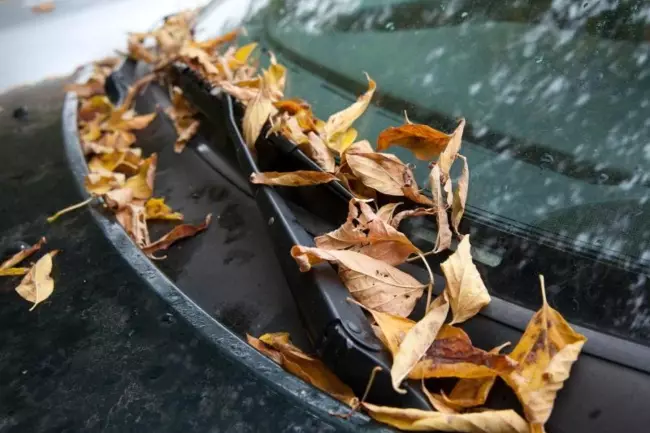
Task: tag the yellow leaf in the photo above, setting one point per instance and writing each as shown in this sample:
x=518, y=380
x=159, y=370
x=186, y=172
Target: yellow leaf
x=257, y=113
x=118, y=199
x=460, y=196
x=292, y=178
x=425, y=142
x=466, y=291
x=497, y=421
x=279, y=348
x=391, y=329
x=38, y=285
x=142, y=183
x=387, y=211
x=453, y=355
x=243, y=53
x=438, y=402
x=177, y=233
x=340, y=122
x=417, y=340
x=156, y=209
x=448, y=156
x=186, y=130
x=546, y=351
x=101, y=183
x=21, y=255
x=343, y=141
x=443, y=239
x=13, y=272
x=126, y=161
x=372, y=282
x=382, y=172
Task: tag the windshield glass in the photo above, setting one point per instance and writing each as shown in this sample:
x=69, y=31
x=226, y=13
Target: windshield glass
x=557, y=99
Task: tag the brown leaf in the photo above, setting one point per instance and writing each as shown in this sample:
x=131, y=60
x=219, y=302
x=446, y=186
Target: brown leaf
x=133, y=218
x=546, y=351
x=292, y=178
x=460, y=196
x=21, y=255
x=211, y=44
x=368, y=234
x=340, y=122
x=382, y=172
x=372, y=282
x=118, y=199
x=453, y=355
x=497, y=421
x=137, y=50
x=438, y=402
x=279, y=348
x=186, y=131
x=386, y=212
x=416, y=342
x=156, y=209
x=38, y=285
x=443, y=239
x=193, y=55
x=425, y=142
x=87, y=89
x=465, y=289
x=177, y=233
x=142, y=183
x=397, y=219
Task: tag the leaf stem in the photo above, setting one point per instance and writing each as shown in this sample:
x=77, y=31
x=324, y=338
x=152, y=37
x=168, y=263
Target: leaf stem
x=430, y=288
x=69, y=209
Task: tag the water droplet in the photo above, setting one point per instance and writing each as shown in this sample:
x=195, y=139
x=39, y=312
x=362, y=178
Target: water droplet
x=603, y=178
x=547, y=158
x=389, y=26
x=539, y=59
x=464, y=15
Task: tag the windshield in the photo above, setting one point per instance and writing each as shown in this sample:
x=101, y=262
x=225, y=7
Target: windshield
x=557, y=99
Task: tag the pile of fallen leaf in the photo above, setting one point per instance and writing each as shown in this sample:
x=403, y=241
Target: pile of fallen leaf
x=367, y=248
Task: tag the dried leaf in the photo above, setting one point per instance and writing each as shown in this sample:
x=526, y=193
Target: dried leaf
x=343, y=141
x=126, y=161
x=38, y=285
x=497, y=421
x=101, y=183
x=448, y=156
x=257, y=113
x=373, y=283
x=118, y=199
x=386, y=212
x=86, y=90
x=340, y=122
x=142, y=183
x=425, y=142
x=193, y=55
x=438, y=402
x=368, y=234
x=137, y=51
x=21, y=255
x=416, y=342
x=156, y=209
x=279, y=348
x=133, y=218
x=460, y=196
x=391, y=329
x=397, y=219
x=177, y=233
x=466, y=291
x=382, y=172
x=471, y=392
x=546, y=351
x=293, y=178
x=211, y=44
x=453, y=355
x=186, y=131
x=443, y=239
x=318, y=152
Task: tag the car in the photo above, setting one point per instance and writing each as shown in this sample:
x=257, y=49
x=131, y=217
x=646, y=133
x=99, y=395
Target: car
x=553, y=94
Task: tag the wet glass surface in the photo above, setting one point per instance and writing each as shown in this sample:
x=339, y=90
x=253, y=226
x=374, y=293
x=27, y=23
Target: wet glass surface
x=557, y=99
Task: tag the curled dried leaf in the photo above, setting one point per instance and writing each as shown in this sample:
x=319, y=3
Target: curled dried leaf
x=293, y=178
x=21, y=255
x=448, y=156
x=38, y=285
x=142, y=183
x=425, y=142
x=133, y=218
x=179, y=232
x=373, y=283
x=496, y=421
x=460, y=196
x=382, y=172
x=101, y=183
x=465, y=288
x=278, y=347
x=443, y=239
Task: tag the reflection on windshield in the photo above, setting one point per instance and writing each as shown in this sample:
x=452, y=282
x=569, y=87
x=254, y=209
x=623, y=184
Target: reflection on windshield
x=557, y=98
